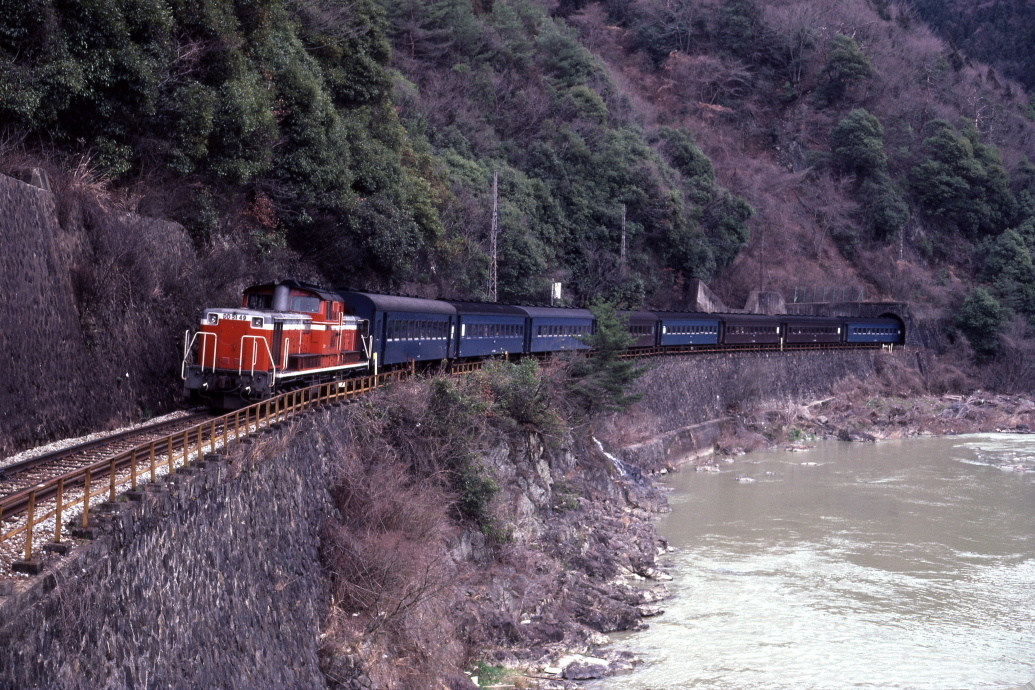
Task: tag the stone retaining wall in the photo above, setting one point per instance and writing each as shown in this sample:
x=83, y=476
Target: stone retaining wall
x=684, y=391
x=688, y=398
x=213, y=581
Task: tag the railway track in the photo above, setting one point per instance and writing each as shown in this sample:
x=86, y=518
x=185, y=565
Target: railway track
x=25, y=474
x=38, y=495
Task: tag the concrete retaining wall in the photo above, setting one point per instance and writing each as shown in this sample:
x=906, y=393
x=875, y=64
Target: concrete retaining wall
x=675, y=448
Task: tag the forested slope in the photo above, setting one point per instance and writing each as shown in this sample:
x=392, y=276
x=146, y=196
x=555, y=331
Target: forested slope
x=749, y=143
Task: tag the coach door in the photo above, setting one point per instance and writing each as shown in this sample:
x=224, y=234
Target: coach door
x=278, y=344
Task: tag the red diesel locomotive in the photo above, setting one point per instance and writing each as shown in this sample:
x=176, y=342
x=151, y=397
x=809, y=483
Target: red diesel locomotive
x=284, y=334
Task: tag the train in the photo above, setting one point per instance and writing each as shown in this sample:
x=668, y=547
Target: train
x=291, y=334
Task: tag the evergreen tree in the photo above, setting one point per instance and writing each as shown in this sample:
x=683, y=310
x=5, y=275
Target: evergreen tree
x=599, y=381
x=962, y=180
x=857, y=144
x=980, y=318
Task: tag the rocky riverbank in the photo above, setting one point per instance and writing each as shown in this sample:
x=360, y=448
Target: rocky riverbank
x=862, y=416
x=887, y=401
x=520, y=545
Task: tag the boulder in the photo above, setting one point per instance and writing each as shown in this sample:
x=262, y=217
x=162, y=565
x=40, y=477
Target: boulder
x=579, y=667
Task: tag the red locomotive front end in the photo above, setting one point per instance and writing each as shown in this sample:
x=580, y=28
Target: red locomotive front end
x=284, y=335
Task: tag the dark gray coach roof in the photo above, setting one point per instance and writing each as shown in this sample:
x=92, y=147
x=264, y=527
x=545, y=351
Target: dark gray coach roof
x=484, y=308
x=398, y=303
x=556, y=313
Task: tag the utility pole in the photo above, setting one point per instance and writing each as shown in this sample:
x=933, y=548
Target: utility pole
x=761, y=265
x=621, y=257
x=492, y=235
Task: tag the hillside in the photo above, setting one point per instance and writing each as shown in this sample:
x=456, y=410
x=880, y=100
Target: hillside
x=998, y=33
x=750, y=144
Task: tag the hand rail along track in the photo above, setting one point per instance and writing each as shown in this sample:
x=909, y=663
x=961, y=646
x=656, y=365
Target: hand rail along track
x=27, y=473
x=24, y=512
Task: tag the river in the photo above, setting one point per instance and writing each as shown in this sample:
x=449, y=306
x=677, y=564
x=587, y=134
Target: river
x=901, y=564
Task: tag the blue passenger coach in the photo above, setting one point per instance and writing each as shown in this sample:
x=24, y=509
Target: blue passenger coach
x=405, y=328
x=688, y=328
x=485, y=329
x=874, y=331
x=551, y=329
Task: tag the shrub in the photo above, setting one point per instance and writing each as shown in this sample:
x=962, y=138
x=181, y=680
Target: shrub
x=521, y=397
x=453, y=417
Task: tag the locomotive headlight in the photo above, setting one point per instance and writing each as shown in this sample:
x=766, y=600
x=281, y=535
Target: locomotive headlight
x=257, y=322
x=213, y=318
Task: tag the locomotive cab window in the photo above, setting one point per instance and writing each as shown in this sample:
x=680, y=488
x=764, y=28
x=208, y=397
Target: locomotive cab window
x=304, y=303
x=260, y=301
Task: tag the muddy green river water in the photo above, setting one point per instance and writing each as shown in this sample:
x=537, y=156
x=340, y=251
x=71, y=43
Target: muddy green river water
x=901, y=564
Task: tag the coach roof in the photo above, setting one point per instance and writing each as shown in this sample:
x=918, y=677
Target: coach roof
x=556, y=313
x=484, y=308
x=397, y=303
